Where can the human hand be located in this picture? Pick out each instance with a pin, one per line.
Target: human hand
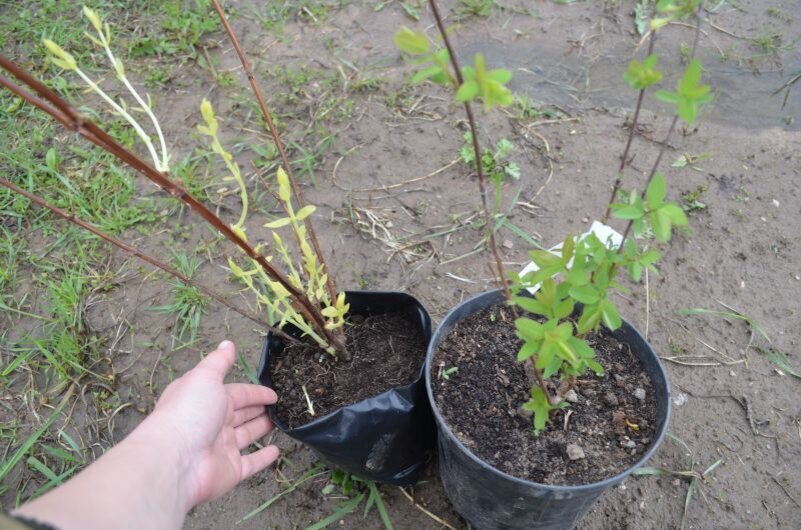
(209, 423)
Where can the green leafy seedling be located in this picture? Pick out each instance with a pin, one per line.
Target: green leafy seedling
(690, 94)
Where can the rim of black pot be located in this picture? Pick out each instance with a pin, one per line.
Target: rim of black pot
(427, 330)
(611, 481)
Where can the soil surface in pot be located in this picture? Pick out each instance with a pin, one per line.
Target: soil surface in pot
(481, 404)
(387, 351)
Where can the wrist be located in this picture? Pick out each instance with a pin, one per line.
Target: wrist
(151, 442)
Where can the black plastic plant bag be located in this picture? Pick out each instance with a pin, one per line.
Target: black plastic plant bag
(386, 437)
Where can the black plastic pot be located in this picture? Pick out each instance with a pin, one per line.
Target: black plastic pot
(384, 437)
(491, 499)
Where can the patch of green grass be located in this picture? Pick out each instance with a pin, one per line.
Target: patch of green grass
(188, 304)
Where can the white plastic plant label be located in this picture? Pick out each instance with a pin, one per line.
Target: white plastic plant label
(601, 231)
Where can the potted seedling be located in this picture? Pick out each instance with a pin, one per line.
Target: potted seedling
(571, 397)
(375, 421)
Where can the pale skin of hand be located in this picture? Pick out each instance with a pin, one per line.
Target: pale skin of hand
(188, 451)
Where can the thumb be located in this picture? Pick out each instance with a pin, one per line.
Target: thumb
(221, 360)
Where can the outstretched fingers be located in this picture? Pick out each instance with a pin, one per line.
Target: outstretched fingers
(249, 432)
(245, 395)
(256, 461)
(246, 414)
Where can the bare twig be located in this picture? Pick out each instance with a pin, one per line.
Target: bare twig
(436, 518)
(624, 157)
(477, 149)
(667, 138)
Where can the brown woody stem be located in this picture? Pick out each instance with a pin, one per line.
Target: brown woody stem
(665, 142)
(632, 131)
(59, 109)
(477, 150)
(278, 144)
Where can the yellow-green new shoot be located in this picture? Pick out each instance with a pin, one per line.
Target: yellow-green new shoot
(309, 277)
(66, 61)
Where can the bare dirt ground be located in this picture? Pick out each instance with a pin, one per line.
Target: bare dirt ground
(391, 218)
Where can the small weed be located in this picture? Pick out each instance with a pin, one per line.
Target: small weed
(188, 305)
(691, 199)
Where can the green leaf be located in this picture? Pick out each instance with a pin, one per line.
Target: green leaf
(306, 211)
(531, 305)
(581, 348)
(590, 318)
(527, 351)
(610, 315)
(529, 329)
(426, 73)
(564, 309)
(278, 223)
(660, 223)
(586, 294)
(627, 212)
(544, 259)
(411, 42)
(675, 214)
(641, 75)
(500, 75)
(552, 367)
(595, 366)
(655, 193)
(666, 96)
(467, 92)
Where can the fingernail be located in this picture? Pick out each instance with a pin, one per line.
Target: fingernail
(225, 344)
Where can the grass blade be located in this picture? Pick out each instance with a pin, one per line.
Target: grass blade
(341, 511)
(312, 473)
(9, 464)
(379, 504)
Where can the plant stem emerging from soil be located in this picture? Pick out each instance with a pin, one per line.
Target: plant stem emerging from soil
(482, 186)
(52, 104)
(141, 255)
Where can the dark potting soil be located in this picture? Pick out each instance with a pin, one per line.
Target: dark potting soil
(387, 352)
(481, 404)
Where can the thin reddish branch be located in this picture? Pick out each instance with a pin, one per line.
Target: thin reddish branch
(278, 144)
(128, 249)
(70, 118)
(482, 187)
(632, 130)
(666, 141)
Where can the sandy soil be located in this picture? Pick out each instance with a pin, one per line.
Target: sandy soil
(742, 250)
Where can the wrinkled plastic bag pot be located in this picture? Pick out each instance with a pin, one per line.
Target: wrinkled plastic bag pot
(385, 437)
(491, 499)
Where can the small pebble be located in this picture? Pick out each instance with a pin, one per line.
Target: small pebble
(575, 452)
(629, 444)
(611, 399)
(571, 396)
(639, 393)
(776, 203)
(680, 399)
(507, 243)
(676, 482)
